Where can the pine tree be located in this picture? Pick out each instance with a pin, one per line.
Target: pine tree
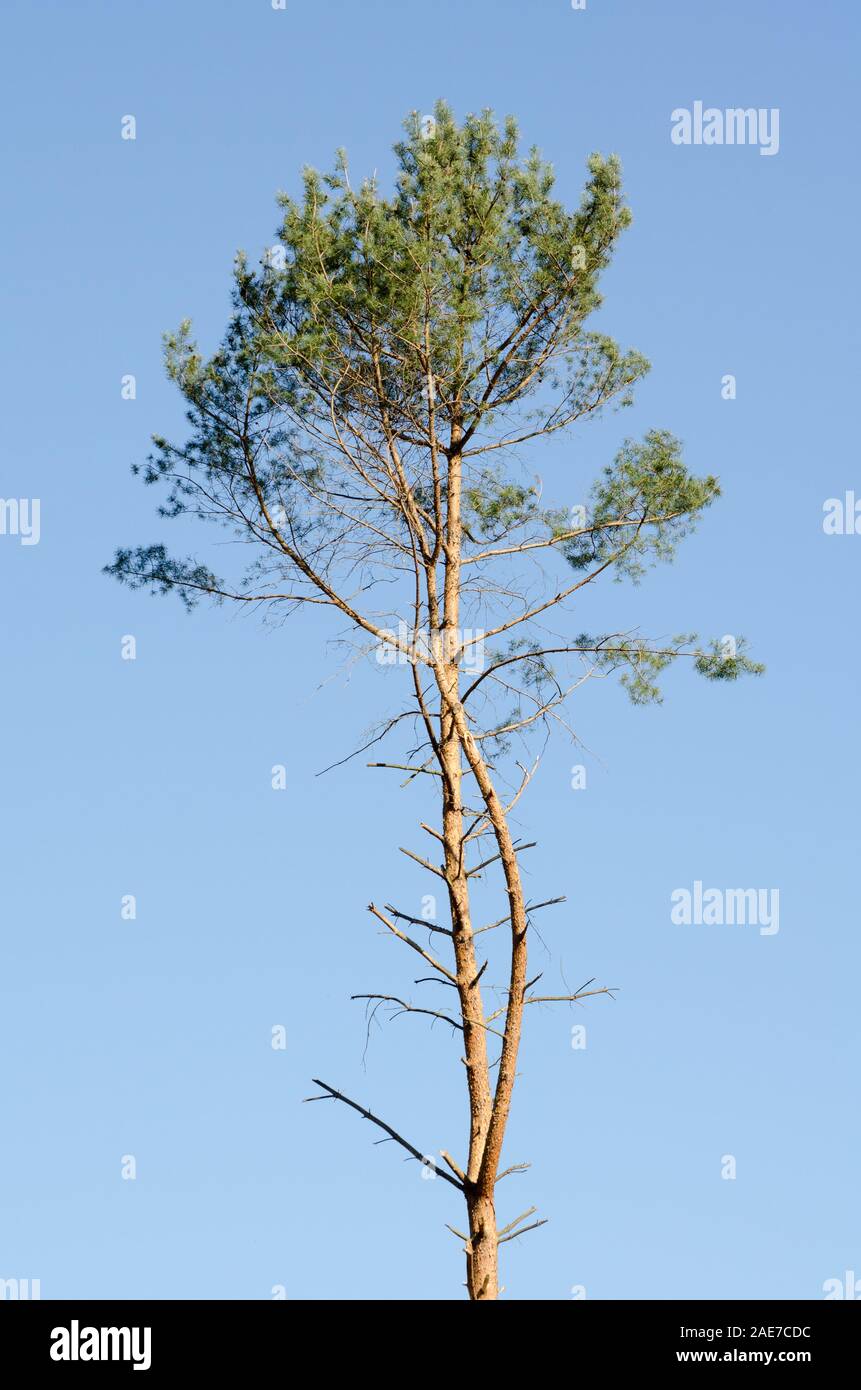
(362, 430)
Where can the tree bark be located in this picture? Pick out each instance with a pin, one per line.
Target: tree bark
(482, 1250)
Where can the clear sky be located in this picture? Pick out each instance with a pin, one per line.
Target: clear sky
(151, 777)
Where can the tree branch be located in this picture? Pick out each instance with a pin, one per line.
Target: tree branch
(332, 1094)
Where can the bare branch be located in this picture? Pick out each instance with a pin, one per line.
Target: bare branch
(403, 767)
(471, 873)
(460, 1236)
(404, 1007)
(514, 1234)
(417, 921)
(332, 1094)
(550, 902)
(516, 1222)
(515, 1168)
(612, 990)
(431, 960)
(453, 1166)
(432, 868)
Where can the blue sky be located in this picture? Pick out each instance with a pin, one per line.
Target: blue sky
(152, 777)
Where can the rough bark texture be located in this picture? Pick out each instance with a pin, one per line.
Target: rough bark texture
(488, 1112)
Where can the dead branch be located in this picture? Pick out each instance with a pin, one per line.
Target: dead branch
(402, 936)
(425, 863)
(417, 921)
(516, 1222)
(550, 902)
(612, 990)
(405, 1008)
(458, 1172)
(332, 1094)
(515, 1168)
(514, 1234)
(460, 1236)
(494, 858)
(404, 767)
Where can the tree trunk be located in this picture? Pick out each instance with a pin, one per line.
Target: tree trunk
(481, 1256)
(482, 1260)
